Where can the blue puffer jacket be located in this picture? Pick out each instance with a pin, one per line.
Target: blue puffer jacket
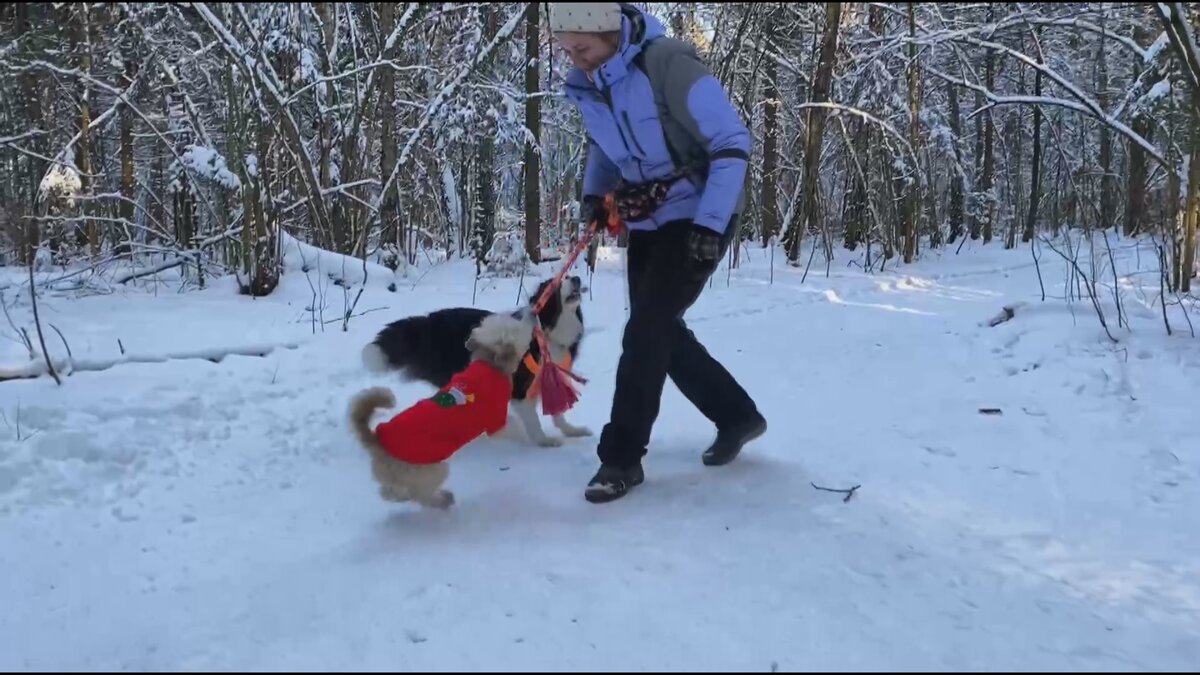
(630, 111)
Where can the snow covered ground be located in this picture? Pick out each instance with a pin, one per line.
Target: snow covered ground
(189, 515)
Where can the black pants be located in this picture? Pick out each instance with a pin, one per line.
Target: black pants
(657, 344)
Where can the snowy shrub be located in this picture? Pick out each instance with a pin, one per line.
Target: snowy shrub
(61, 181)
(506, 258)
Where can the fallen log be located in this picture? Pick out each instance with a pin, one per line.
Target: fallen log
(36, 369)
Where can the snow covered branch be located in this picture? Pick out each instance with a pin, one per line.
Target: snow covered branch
(447, 90)
(1183, 42)
(13, 140)
(1087, 106)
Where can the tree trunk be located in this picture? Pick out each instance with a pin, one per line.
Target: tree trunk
(1056, 214)
(957, 196)
(1035, 179)
(1142, 124)
(769, 190)
(485, 159)
(913, 187)
(183, 211)
(252, 134)
(533, 121)
(266, 276)
(485, 195)
(816, 129)
(128, 185)
(1016, 186)
(855, 230)
(86, 235)
(1108, 182)
(1176, 225)
(236, 145)
(976, 226)
(324, 139)
(35, 166)
(1187, 266)
(1135, 209)
(989, 155)
(389, 208)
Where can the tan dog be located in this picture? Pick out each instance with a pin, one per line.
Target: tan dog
(408, 455)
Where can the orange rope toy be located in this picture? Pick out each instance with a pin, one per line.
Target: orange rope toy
(558, 394)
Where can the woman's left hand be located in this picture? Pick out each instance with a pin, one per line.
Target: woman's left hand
(703, 251)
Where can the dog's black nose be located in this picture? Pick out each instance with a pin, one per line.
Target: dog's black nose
(576, 281)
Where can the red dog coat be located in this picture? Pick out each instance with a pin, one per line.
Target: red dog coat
(475, 402)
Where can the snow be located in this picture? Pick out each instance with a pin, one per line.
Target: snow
(207, 164)
(450, 194)
(306, 71)
(197, 515)
(1160, 43)
(1160, 90)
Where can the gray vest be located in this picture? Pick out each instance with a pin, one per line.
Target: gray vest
(681, 135)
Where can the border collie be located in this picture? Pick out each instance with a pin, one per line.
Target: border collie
(432, 347)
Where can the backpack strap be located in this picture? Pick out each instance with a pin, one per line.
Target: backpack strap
(690, 158)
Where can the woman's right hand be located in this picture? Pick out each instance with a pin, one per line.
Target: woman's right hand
(594, 209)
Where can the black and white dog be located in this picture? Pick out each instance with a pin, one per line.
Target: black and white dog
(432, 347)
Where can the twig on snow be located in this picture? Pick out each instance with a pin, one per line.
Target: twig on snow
(1186, 315)
(38, 324)
(849, 493)
(1162, 287)
(1037, 265)
(21, 333)
(70, 356)
(365, 311)
(1091, 291)
(20, 437)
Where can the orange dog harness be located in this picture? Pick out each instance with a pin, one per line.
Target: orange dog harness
(536, 368)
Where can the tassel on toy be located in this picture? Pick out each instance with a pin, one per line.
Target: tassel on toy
(558, 395)
(554, 381)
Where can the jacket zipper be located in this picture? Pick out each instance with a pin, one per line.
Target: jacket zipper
(608, 101)
(631, 134)
(624, 141)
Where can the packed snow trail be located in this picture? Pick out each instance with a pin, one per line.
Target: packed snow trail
(193, 515)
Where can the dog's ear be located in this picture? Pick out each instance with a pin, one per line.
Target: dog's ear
(525, 315)
(472, 344)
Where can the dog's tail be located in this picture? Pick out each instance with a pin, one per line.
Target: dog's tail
(375, 359)
(362, 406)
(397, 347)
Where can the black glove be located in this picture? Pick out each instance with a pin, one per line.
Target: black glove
(703, 251)
(593, 209)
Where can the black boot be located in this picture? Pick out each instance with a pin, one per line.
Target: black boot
(730, 440)
(612, 482)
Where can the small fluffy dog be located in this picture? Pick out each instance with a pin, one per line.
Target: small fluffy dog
(409, 453)
(430, 348)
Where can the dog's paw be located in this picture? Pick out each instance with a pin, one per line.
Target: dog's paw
(442, 499)
(570, 430)
(391, 494)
